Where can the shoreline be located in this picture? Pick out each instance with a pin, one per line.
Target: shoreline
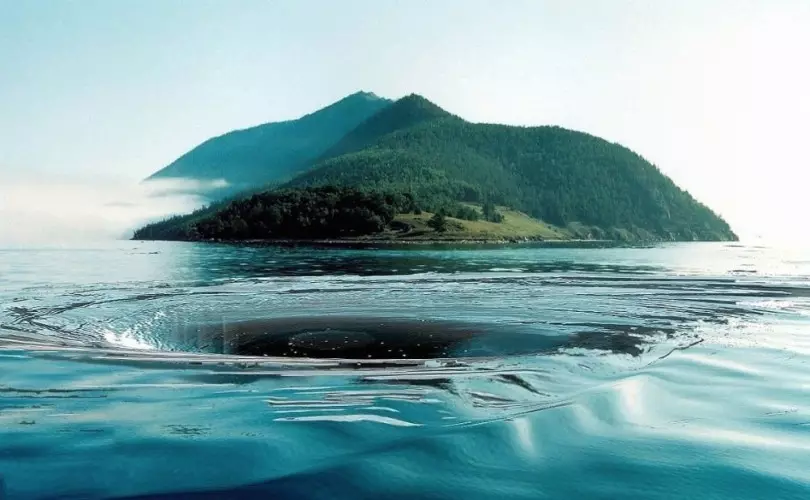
(416, 243)
(392, 242)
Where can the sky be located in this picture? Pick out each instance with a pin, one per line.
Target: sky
(96, 95)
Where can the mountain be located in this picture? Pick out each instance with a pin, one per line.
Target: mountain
(267, 153)
(559, 176)
(577, 184)
(403, 113)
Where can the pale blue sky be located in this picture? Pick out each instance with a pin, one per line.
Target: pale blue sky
(713, 92)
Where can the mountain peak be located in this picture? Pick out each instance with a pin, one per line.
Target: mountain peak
(403, 113)
(357, 99)
(415, 97)
(417, 102)
(258, 155)
(364, 94)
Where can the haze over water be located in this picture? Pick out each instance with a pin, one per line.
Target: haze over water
(662, 372)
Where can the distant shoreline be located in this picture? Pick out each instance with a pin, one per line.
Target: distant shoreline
(387, 242)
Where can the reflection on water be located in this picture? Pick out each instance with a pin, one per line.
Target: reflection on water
(133, 369)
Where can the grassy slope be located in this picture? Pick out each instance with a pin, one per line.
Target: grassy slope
(515, 226)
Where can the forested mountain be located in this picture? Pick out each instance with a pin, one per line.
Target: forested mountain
(402, 114)
(259, 155)
(565, 178)
(557, 175)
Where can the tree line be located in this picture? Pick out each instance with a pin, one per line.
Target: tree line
(307, 213)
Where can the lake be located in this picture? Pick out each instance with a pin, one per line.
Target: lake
(681, 370)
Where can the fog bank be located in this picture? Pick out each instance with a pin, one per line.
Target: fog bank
(56, 211)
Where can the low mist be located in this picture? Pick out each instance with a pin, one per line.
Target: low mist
(48, 211)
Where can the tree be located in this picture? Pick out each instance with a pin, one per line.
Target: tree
(490, 214)
(438, 223)
(466, 213)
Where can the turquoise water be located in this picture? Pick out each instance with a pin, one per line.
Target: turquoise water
(668, 372)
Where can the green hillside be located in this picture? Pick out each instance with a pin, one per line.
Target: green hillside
(556, 175)
(574, 183)
(402, 114)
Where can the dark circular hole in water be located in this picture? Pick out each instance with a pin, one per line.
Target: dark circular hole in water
(363, 338)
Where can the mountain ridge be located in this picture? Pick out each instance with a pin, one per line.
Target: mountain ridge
(260, 154)
(403, 113)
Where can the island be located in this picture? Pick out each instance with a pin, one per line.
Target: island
(409, 171)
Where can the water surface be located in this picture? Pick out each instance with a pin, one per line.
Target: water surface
(137, 369)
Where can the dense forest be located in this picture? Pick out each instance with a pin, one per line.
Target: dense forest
(562, 177)
(554, 174)
(312, 213)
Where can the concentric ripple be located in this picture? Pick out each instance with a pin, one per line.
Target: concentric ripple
(133, 369)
